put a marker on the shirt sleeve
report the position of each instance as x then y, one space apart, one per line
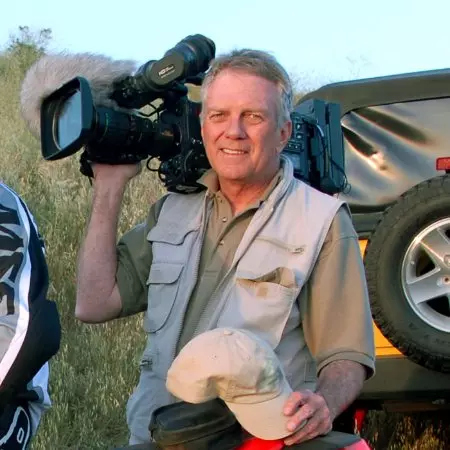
134 257
335 308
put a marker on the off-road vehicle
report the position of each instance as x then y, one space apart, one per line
396 132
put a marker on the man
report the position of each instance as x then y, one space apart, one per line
29 324
257 250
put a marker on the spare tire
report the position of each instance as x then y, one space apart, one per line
407 263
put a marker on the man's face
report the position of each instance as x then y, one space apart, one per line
240 132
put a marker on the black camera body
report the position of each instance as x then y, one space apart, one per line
171 132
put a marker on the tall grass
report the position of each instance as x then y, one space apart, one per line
96 368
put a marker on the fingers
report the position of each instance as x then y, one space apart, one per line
318 425
299 419
115 173
309 416
296 400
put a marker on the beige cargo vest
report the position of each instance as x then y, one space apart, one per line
271 264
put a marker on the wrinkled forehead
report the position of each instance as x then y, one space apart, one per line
233 89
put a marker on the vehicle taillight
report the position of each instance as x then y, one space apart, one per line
443 163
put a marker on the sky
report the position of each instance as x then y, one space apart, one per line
317 41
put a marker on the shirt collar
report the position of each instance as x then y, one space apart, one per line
211 181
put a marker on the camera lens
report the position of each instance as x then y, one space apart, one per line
196 51
188 58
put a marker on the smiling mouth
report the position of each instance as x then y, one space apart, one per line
230 151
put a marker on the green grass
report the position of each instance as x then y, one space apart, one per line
96 368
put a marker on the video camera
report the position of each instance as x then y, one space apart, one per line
70 121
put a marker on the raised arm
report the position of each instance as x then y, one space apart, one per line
98 298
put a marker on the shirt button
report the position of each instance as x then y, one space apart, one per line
224 219
221 242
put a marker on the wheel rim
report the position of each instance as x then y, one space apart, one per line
426 275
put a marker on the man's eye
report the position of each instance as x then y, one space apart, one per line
254 117
217 115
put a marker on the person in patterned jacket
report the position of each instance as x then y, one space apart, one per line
29 324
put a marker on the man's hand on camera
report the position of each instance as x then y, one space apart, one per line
120 173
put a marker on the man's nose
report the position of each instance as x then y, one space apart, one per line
235 128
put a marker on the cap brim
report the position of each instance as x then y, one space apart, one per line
264 420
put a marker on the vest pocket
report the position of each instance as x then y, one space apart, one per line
163 284
262 302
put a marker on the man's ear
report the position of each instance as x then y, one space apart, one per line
285 135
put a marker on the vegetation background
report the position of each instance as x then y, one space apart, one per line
97 365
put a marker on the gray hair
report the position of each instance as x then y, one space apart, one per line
259 63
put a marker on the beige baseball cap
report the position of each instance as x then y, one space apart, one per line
241 369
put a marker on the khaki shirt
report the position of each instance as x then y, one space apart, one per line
331 303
